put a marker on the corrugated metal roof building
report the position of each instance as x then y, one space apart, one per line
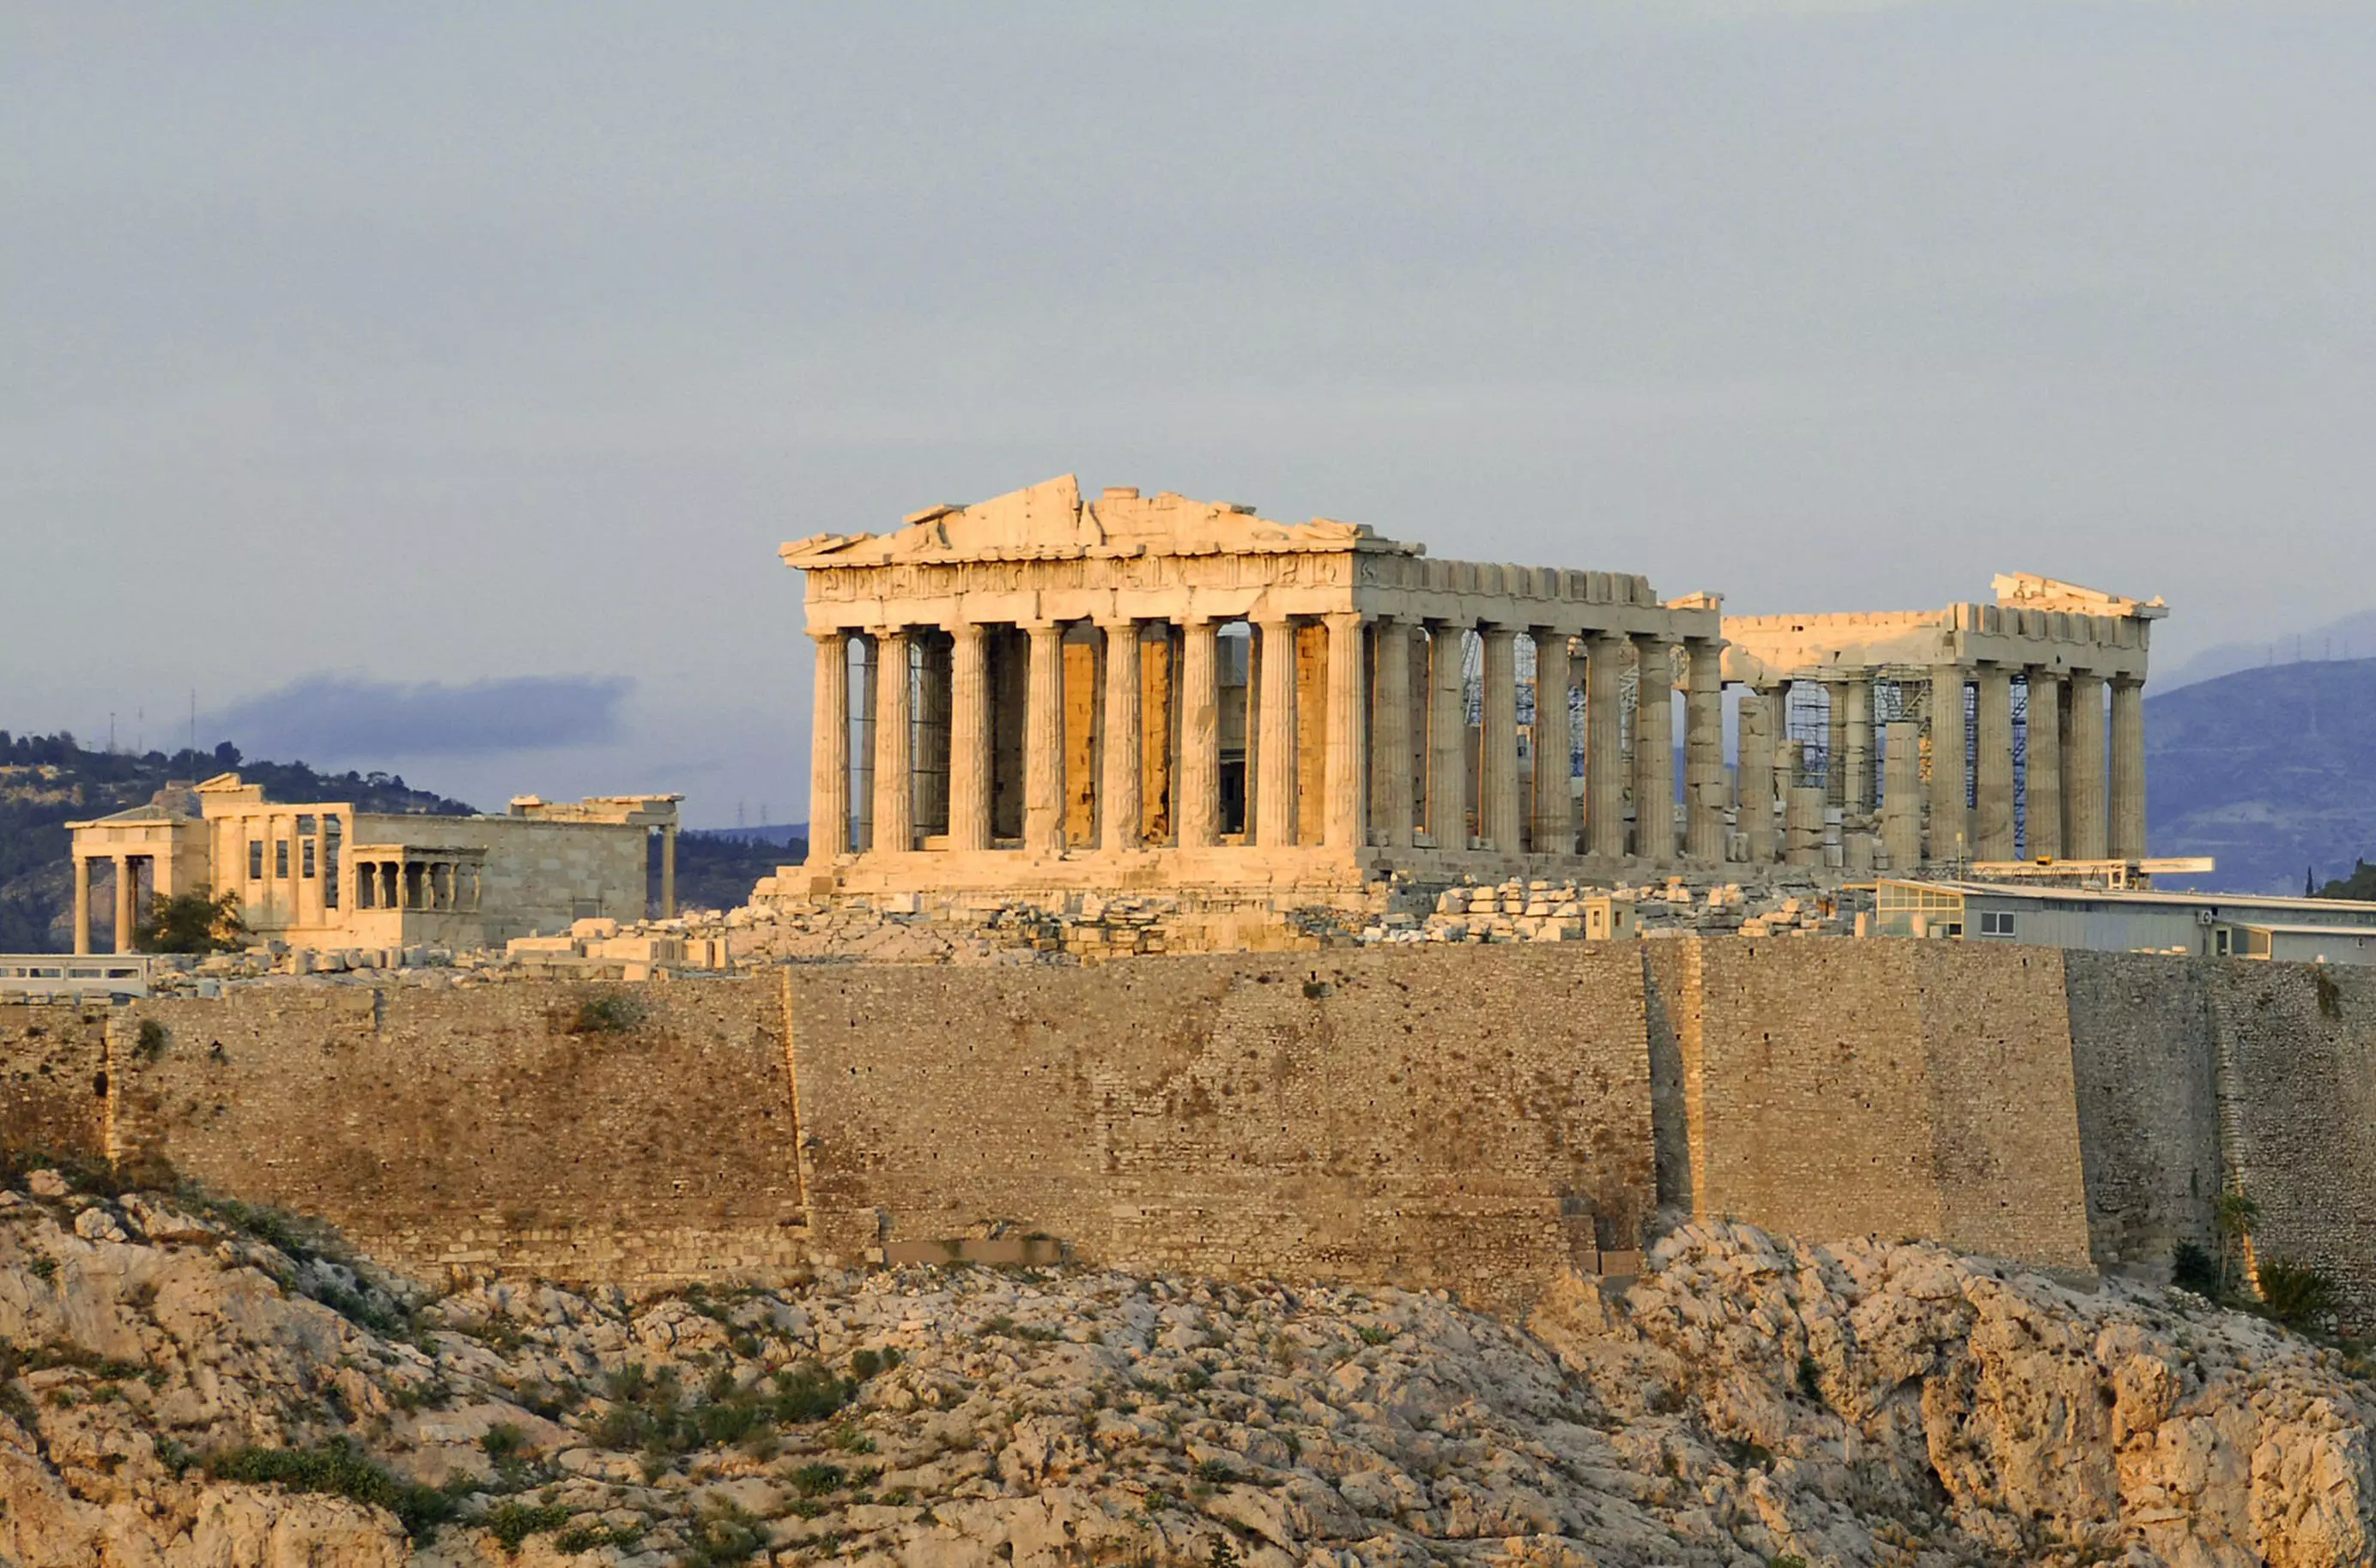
2208 925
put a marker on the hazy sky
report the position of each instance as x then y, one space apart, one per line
353 359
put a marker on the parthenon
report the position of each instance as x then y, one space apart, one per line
1044 692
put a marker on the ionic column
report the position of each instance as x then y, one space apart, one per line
1391 813
82 904
124 903
1856 748
1704 750
1497 745
2042 780
1993 838
1950 819
1901 796
1554 829
1654 749
1346 761
1604 746
1199 801
1043 750
2084 816
1447 737
1118 792
829 751
1274 753
895 744
2128 769
968 736
1758 711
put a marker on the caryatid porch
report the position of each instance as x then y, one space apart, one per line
1149 692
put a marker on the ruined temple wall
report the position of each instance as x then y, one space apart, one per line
54 1081
2145 1077
474 1129
1467 1119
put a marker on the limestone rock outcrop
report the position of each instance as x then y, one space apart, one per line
189 1384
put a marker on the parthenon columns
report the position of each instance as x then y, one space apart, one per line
1199 807
1345 779
1950 820
968 736
82 904
1654 749
1758 713
894 762
1274 753
1497 745
125 902
1855 747
1447 735
1604 754
1554 818
1992 829
1043 748
2042 777
1703 784
1119 801
2128 769
829 750
2083 819
1391 797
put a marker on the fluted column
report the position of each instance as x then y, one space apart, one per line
1654 750
1951 829
2084 822
1856 748
829 750
1756 775
2043 775
1043 747
1604 746
1497 744
1119 794
1554 826
895 745
124 916
1992 820
1391 814
1901 795
82 904
1345 759
968 736
1835 743
1198 805
1447 739
2128 769
1274 753
1704 750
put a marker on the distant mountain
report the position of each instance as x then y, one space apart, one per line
2272 770
2353 636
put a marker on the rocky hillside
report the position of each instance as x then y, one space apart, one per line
185 1385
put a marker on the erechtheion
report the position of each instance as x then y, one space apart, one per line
325 876
1039 692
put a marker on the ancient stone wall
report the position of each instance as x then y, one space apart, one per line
1464 1118
2148 1114
492 1128
54 1081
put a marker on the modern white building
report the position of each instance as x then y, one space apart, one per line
2208 925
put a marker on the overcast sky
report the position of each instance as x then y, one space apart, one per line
363 358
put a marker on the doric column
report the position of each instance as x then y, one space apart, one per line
1497 742
1951 827
1835 743
936 674
1554 826
968 736
123 914
668 874
2043 775
1447 740
1704 789
829 751
1346 760
2084 817
1855 747
1199 802
895 744
1756 775
1275 753
2128 769
1654 749
82 904
1604 746
1119 805
1992 836
1391 814
1043 748
1901 796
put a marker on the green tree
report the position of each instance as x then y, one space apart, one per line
2233 1213
192 922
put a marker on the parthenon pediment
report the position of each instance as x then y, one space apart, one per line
2027 590
1049 520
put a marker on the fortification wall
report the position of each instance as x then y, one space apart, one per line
1463 1119
2142 1064
472 1129
53 1084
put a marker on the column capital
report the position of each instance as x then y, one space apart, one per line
1339 619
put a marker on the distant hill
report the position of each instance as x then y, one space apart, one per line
2352 636
2270 770
47 781
715 866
